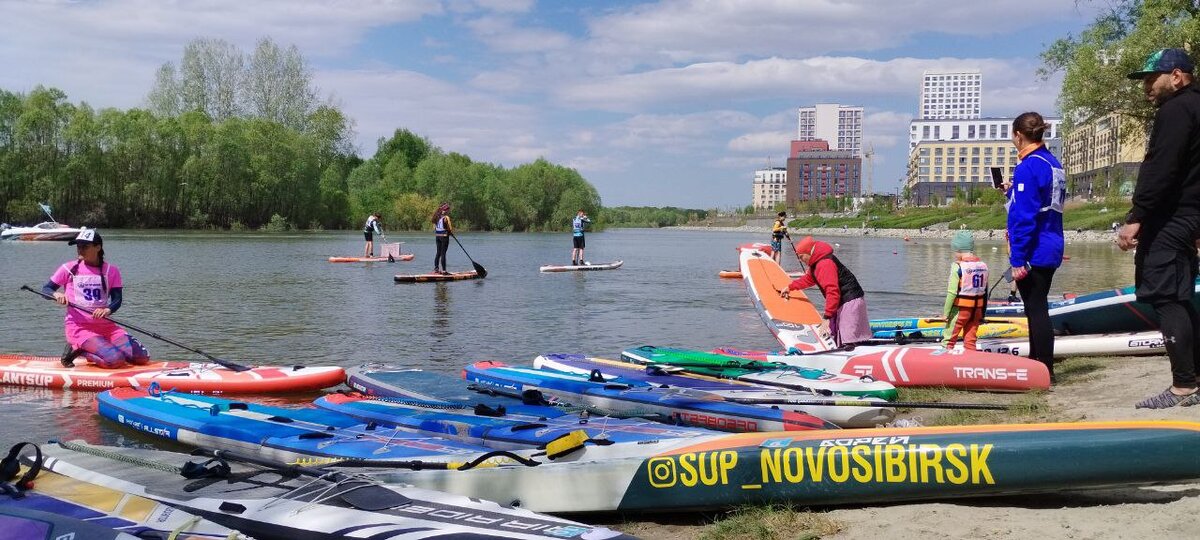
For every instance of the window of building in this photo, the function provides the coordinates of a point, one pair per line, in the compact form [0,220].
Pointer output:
[954,132]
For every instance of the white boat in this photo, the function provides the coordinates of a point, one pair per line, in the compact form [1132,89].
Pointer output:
[46,231]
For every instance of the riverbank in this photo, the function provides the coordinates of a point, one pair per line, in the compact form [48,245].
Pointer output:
[1092,389]
[932,232]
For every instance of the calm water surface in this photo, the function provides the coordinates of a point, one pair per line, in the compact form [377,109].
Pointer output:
[273,298]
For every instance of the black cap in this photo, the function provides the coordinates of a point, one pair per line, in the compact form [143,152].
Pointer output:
[1165,61]
[87,236]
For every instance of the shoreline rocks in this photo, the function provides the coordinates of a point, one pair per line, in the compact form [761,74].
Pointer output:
[937,232]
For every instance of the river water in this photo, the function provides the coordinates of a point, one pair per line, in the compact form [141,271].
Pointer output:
[261,298]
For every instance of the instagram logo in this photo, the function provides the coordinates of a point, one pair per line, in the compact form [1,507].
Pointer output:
[661,471]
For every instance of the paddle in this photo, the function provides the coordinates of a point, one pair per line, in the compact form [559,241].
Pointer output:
[803,268]
[856,403]
[479,269]
[224,363]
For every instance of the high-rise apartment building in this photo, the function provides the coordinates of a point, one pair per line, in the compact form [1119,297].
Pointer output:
[840,125]
[951,95]
[770,188]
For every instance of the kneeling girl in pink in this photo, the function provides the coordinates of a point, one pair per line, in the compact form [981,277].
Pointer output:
[95,285]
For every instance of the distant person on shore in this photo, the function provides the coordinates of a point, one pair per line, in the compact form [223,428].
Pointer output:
[1165,219]
[966,294]
[578,224]
[845,303]
[442,229]
[779,231]
[370,229]
[1035,230]
[95,286]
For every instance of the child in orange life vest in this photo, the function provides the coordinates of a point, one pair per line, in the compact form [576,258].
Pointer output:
[966,293]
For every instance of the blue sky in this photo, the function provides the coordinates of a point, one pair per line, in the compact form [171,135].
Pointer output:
[660,103]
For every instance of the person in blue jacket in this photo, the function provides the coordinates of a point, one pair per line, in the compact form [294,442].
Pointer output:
[1035,229]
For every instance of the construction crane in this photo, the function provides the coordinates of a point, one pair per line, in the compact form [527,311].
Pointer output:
[869,155]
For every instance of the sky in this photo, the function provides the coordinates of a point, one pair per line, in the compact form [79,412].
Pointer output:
[657,103]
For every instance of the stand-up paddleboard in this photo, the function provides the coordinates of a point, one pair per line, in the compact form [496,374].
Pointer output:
[929,365]
[795,321]
[452,276]
[64,501]
[26,370]
[27,524]
[737,274]
[1126,344]
[285,501]
[757,372]
[732,390]
[409,383]
[1105,312]
[496,427]
[675,405]
[401,258]
[934,327]
[884,465]
[278,433]
[585,267]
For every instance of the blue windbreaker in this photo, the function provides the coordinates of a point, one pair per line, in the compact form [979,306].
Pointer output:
[1035,206]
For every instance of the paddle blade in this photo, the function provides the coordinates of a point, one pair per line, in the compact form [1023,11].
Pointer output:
[479,269]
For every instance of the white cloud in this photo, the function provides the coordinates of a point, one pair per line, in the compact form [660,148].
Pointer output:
[687,31]
[886,129]
[454,118]
[763,142]
[771,78]
[675,134]
[502,35]
[107,51]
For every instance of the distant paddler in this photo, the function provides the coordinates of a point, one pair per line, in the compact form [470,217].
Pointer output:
[578,224]
[779,231]
[370,229]
[845,303]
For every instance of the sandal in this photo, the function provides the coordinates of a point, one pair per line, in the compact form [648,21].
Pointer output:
[1165,400]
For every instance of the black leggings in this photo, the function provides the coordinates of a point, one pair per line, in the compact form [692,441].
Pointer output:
[1035,293]
[443,243]
[1179,328]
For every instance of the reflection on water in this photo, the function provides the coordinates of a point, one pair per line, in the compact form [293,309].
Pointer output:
[263,298]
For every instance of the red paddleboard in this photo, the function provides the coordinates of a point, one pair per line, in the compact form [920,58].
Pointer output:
[402,257]
[46,371]
[918,366]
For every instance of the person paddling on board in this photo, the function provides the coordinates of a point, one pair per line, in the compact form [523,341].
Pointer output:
[370,229]
[96,285]
[578,224]
[845,303]
[779,231]
[442,229]
[965,294]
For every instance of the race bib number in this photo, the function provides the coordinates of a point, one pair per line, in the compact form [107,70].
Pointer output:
[89,292]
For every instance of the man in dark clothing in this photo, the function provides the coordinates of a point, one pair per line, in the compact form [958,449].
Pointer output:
[1165,219]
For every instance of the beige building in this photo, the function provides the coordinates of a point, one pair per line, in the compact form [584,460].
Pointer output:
[770,188]
[937,169]
[1103,153]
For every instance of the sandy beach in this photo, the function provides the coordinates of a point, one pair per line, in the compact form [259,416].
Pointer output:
[1100,389]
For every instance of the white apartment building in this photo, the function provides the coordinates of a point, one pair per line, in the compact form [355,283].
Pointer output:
[980,129]
[841,125]
[770,187]
[951,95]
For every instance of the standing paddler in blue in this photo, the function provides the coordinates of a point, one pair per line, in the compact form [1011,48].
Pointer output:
[580,222]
